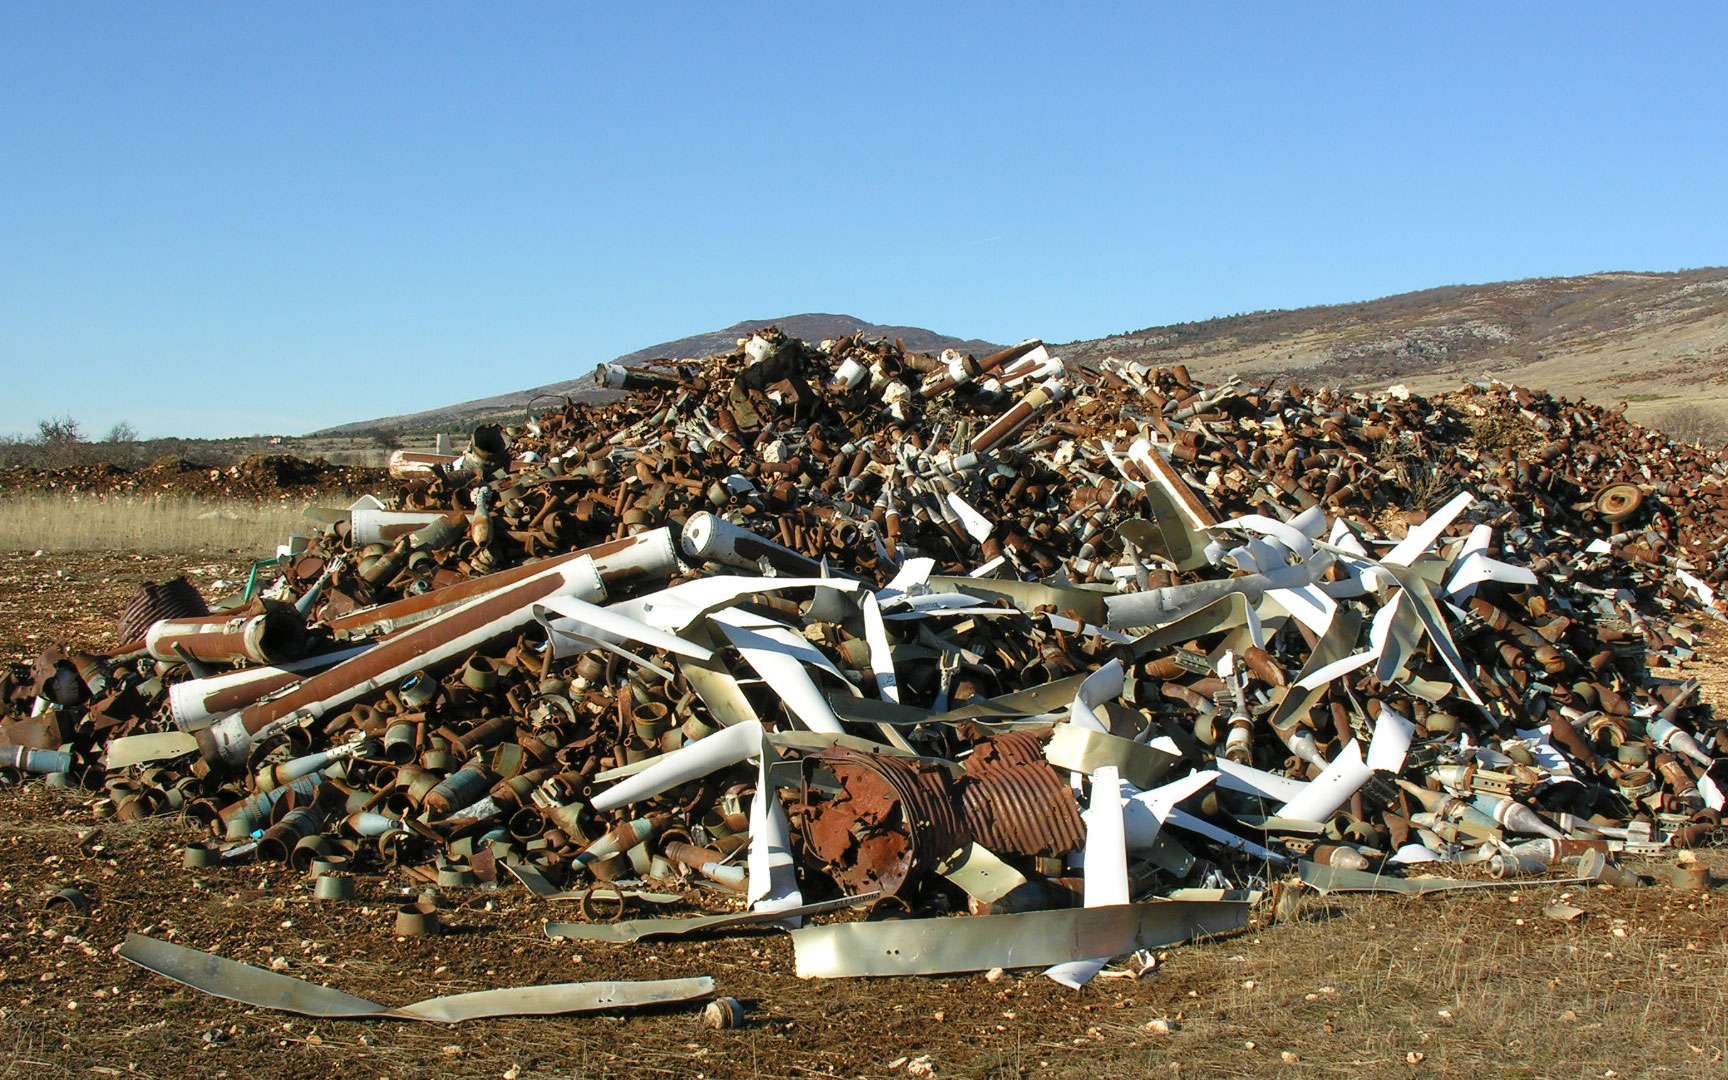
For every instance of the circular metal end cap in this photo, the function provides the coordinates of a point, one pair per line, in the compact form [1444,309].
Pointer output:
[697,534]
[1617,502]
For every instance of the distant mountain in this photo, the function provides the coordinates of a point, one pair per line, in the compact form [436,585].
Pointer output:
[1653,340]
[810,327]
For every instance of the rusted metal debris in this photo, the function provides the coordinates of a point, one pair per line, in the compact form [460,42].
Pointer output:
[174,599]
[804,624]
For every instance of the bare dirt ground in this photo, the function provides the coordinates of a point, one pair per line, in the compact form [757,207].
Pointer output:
[1466,985]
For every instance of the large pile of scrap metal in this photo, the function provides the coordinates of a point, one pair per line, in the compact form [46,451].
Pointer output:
[1076,661]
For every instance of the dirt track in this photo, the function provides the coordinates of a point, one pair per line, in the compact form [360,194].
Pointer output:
[1466,985]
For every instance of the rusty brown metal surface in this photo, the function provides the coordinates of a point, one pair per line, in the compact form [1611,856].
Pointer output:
[175,599]
[1016,804]
[890,825]
[893,822]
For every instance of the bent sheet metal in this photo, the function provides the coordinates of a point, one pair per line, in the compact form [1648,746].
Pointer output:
[633,930]
[1025,939]
[224,978]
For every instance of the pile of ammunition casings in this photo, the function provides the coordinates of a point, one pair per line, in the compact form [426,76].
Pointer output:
[1075,662]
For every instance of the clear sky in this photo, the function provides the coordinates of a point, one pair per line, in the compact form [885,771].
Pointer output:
[235,218]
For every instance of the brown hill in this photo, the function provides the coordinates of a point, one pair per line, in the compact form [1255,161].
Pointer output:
[1651,340]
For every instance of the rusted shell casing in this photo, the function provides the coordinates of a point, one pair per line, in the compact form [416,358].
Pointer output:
[275,635]
[410,464]
[280,839]
[333,887]
[459,789]
[414,921]
[647,556]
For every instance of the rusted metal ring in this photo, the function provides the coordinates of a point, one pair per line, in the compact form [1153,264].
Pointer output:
[68,901]
[603,904]
[1637,783]
[1617,502]
[413,921]
[723,1013]
[334,887]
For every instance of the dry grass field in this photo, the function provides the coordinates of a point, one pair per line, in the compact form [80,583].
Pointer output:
[59,523]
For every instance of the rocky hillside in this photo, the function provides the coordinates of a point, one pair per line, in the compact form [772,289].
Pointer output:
[1651,340]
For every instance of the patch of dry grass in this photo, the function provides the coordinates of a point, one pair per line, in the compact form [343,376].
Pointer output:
[146,524]
[1463,985]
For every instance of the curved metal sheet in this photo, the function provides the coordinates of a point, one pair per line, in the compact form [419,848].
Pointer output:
[1082,750]
[555,999]
[230,979]
[1025,939]
[634,930]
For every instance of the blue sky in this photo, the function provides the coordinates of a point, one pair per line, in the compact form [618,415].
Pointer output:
[222,219]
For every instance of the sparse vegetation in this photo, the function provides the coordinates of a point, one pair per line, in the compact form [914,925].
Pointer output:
[122,447]
[62,434]
[1463,985]
[382,438]
[1693,424]
[1595,337]
[1503,430]
[1418,466]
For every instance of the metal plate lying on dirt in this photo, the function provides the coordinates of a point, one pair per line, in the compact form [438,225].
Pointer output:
[633,930]
[224,978]
[1330,879]
[1026,939]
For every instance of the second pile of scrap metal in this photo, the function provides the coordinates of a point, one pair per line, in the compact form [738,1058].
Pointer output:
[1092,655]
